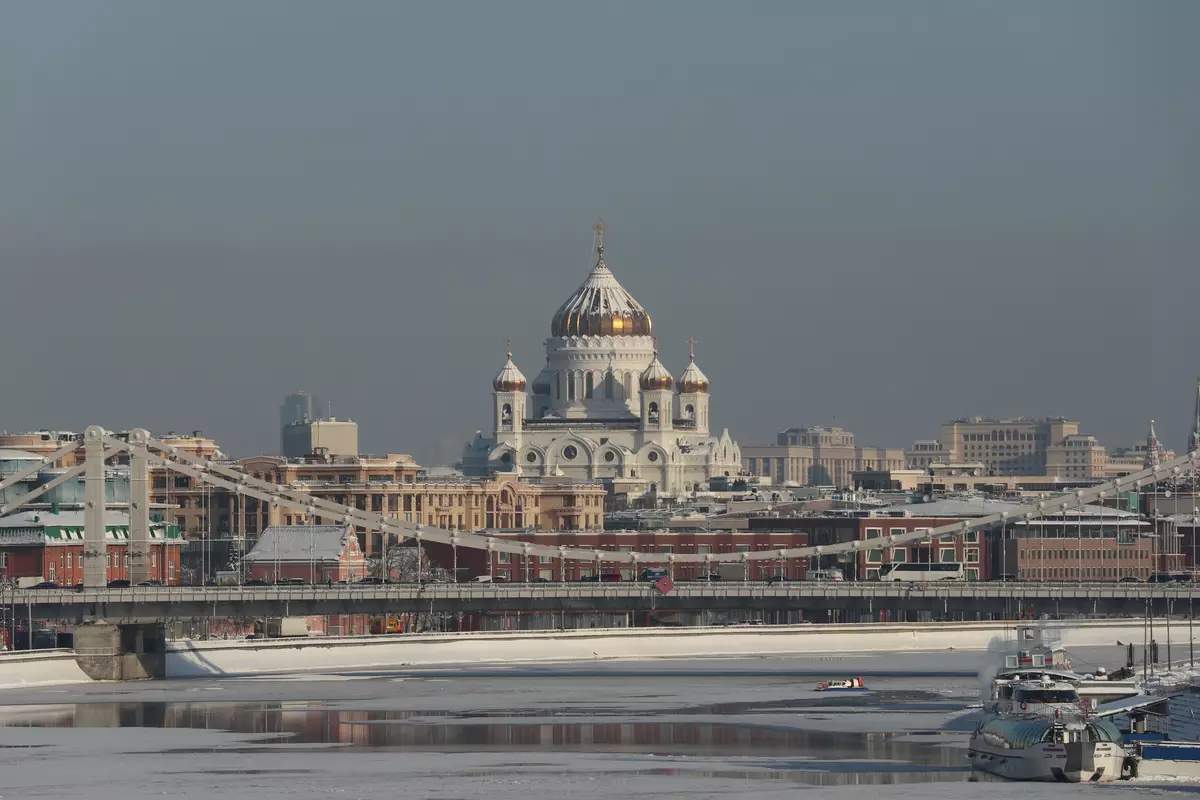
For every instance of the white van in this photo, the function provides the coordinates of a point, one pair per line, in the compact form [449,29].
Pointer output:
[481,579]
[824,575]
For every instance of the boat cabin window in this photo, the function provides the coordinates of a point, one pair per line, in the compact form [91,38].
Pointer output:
[1046,696]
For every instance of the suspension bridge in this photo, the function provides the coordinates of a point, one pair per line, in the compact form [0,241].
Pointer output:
[144,451]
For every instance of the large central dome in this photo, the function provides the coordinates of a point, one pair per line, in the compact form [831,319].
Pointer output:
[601,306]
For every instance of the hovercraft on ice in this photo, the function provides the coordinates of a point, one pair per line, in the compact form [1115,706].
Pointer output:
[850,685]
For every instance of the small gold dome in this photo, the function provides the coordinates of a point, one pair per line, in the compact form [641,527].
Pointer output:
[693,381]
[509,378]
[656,377]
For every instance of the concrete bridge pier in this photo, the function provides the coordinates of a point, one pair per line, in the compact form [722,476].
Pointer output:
[127,652]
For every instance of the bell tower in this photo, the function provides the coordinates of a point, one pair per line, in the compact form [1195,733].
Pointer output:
[693,393]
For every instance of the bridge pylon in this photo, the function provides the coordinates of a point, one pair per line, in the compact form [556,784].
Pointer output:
[95,542]
[139,507]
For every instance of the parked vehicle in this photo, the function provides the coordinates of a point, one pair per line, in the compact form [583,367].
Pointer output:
[120,583]
[919,572]
[46,585]
[825,575]
[291,582]
[653,574]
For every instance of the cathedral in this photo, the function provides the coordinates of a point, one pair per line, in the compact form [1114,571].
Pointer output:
[604,407]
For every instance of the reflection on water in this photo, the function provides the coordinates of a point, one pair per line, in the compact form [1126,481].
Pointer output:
[817,758]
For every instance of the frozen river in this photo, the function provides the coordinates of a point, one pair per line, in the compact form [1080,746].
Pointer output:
[744,728]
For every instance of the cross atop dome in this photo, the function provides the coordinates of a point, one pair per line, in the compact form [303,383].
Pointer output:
[692,348]
[600,227]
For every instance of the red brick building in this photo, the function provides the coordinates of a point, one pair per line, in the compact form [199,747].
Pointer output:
[313,553]
[968,549]
[656,547]
[49,546]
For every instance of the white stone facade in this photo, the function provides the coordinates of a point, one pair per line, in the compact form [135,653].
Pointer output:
[604,407]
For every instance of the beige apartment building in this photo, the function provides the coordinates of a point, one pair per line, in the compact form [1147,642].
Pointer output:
[394,485]
[1017,446]
[817,456]
[338,437]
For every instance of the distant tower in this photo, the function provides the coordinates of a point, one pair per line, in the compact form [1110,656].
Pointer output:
[693,392]
[658,396]
[297,407]
[508,393]
[1153,454]
[1194,439]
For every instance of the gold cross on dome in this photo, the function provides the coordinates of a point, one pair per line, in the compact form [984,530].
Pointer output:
[600,228]
[508,340]
[692,347]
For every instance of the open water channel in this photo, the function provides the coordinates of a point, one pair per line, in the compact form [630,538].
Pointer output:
[702,728]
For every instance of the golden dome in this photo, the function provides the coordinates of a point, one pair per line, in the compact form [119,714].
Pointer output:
[601,306]
[656,377]
[692,380]
[509,378]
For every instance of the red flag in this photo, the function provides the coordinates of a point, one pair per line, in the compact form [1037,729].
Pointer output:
[665,584]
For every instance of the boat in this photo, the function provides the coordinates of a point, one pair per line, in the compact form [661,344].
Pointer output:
[1094,690]
[849,685]
[1036,654]
[1037,748]
[1048,734]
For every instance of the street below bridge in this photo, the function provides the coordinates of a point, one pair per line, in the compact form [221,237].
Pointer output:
[815,600]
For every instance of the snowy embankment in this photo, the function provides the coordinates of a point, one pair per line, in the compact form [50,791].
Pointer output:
[201,658]
[39,668]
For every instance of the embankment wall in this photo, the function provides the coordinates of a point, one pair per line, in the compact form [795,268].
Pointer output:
[210,658]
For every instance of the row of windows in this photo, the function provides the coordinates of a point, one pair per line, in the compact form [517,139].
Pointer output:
[1085,555]
[972,537]
[1008,435]
[1037,573]
[947,555]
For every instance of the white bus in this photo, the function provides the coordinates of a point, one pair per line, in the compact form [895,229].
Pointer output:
[916,572]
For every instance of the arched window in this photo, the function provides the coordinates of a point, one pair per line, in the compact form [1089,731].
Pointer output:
[690,411]
[628,385]
[608,385]
[588,386]
[652,412]
[572,379]
[506,414]
[558,385]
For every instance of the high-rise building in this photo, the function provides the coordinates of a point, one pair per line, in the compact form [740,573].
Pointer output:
[299,407]
[1194,438]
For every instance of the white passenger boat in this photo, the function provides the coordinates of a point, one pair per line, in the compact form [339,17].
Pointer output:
[1035,748]
[849,685]
[1048,736]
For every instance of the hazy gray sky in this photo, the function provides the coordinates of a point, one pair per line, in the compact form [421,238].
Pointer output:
[874,214]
